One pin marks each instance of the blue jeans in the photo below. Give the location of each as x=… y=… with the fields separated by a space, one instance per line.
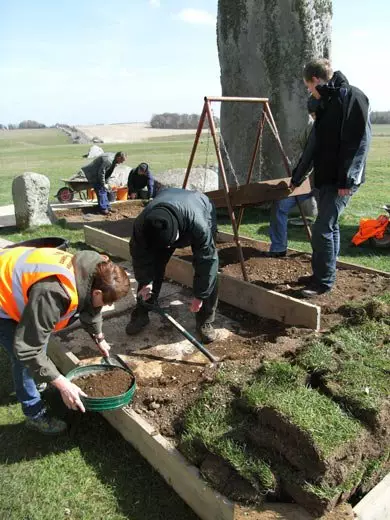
x=326 y=235
x=25 y=387
x=102 y=197
x=278 y=221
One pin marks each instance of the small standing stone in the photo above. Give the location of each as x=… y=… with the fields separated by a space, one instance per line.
x=30 y=193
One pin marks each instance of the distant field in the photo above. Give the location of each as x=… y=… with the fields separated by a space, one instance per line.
x=130 y=133
x=48 y=151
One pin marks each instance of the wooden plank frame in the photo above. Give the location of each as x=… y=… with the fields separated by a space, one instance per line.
x=244 y=295
x=186 y=479
x=258 y=192
x=228 y=237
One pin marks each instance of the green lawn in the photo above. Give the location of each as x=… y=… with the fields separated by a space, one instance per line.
x=366 y=203
x=95 y=474
x=48 y=151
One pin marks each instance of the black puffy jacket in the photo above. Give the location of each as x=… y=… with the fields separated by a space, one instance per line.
x=342 y=134
x=197 y=226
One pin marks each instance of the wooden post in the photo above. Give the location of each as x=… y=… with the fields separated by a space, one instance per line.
x=195 y=145
x=226 y=189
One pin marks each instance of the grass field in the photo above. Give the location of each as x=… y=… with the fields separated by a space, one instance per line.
x=95 y=474
x=49 y=152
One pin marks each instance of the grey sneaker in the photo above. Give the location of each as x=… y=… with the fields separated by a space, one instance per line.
x=45 y=424
x=137 y=323
x=207 y=332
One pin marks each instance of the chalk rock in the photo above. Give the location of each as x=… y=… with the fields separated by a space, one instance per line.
x=200 y=178
x=30 y=193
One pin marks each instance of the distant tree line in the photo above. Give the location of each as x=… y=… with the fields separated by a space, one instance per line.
x=178 y=121
x=28 y=123
x=380 y=118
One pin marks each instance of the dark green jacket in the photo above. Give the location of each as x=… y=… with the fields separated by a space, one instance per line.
x=100 y=169
x=197 y=227
x=47 y=302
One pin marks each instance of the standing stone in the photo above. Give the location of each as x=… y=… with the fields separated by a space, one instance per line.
x=30 y=193
x=94 y=151
x=263 y=46
x=201 y=179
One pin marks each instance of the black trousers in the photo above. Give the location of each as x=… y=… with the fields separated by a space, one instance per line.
x=206 y=313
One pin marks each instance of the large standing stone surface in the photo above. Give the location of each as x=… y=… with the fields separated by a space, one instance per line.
x=263 y=46
x=30 y=193
x=202 y=179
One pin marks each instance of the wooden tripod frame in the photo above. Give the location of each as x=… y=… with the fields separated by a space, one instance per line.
x=266 y=117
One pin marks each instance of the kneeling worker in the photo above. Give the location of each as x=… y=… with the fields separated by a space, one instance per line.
x=176 y=218
x=141 y=184
x=43 y=290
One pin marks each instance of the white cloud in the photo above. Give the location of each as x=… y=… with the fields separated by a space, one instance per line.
x=196 y=16
x=154 y=3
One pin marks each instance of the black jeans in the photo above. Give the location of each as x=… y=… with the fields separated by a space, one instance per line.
x=206 y=313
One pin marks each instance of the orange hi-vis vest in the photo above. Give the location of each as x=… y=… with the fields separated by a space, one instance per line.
x=21 y=267
x=371 y=228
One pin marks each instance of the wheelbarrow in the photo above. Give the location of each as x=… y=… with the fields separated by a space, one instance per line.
x=66 y=194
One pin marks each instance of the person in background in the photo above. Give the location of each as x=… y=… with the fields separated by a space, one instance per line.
x=44 y=290
x=176 y=218
x=141 y=184
x=98 y=173
x=342 y=139
x=281 y=208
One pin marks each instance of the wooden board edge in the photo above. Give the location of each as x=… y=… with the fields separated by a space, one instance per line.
x=229 y=237
x=185 y=478
x=182 y=476
x=376 y=504
x=254 y=299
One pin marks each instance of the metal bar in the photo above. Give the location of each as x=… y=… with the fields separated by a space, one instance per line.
x=259 y=136
x=242 y=99
x=286 y=163
x=226 y=189
x=156 y=308
x=194 y=146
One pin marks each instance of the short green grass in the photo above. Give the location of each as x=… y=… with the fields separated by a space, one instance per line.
x=96 y=474
x=93 y=475
x=209 y=422
x=367 y=202
x=354 y=362
x=48 y=151
x=279 y=386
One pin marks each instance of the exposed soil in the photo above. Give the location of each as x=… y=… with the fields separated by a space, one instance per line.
x=163 y=400
x=123 y=211
x=281 y=275
x=181 y=382
x=110 y=383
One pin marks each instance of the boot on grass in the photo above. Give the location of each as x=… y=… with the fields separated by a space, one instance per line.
x=44 y=423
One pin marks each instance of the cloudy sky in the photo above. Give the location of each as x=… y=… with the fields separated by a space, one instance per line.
x=93 y=61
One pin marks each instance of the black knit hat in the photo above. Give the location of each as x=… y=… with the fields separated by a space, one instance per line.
x=160 y=228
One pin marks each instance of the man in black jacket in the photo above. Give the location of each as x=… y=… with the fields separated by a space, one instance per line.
x=176 y=218
x=342 y=137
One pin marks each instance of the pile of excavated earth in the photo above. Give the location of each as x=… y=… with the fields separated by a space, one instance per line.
x=287 y=414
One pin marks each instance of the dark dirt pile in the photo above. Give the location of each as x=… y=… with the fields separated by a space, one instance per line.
x=92 y=214
x=281 y=275
x=112 y=382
